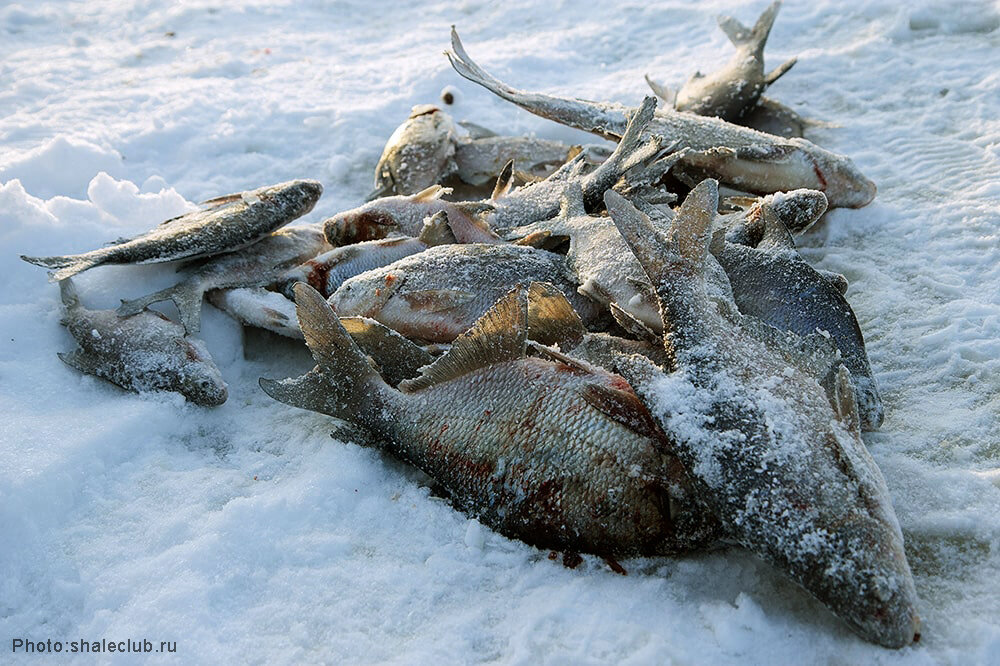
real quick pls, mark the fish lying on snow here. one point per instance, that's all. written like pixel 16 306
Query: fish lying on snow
pixel 328 271
pixel 777 461
pixel 506 209
pixel 733 93
pixel 227 223
pixel 744 158
pixel 417 155
pixel 554 453
pixel 255 266
pixel 258 307
pixel 441 292
pixel 142 352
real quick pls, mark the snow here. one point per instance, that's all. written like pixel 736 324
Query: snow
pixel 245 533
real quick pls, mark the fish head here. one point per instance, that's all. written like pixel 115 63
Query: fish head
pixel 297 196
pixel 837 176
pixel 796 210
pixel 199 379
pixel 377 219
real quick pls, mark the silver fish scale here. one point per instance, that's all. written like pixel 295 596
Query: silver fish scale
pixel 329 270
pixel 593 484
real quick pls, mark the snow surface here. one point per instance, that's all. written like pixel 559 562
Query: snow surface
pixel 245 533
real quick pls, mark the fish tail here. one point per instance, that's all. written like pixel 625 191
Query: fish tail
pixel 630 152
pixel 573 112
pixel 351 388
pixel 757 36
pixel 68 293
pixel 68 265
pixel 186 297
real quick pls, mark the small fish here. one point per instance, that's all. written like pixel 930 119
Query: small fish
pixel 258 307
pixel 441 292
pixel 329 270
pixel 553 453
pixel 480 161
pixel 227 223
pixel 744 158
pixel 505 209
pixel 417 155
pixel 772 456
pixel 255 266
pixel 142 352
pixel 733 92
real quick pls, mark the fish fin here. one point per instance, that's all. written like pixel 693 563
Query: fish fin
pixel 536 239
pixel 551 320
pixel 499 335
pixel 631 150
pixel 81 361
pixel 397 357
pixel 504 181
pixel 756 37
pixel 476 131
pixel 662 91
pixel 437 300
pixel 436 230
pixel 186 297
pixel 633 325
pixel 467 224
pixel 737 33
pixel 474 208
pixel 623 407
pixel 68 294
pixel 838 280
pixel 844 400
pixel 778 71
pixel 550 354
pixel 68 265
pixel 216 202
pixel 571 202
pixel 348 380
pixel 431 193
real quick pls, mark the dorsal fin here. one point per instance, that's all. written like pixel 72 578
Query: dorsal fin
pixel 499 335
pixel 633 326
pixel 431 193
pixel 662 91
pixel 396 357
pixel 571 202
pixel 551 319
pixel 504 181
pixel 844 400
pixel 436 230
pixel 468 224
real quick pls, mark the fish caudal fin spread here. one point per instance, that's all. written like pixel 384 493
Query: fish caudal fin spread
pixel 350 385
pixel 68 265
pixel 741 36
pixel 186 297
pixel 630 152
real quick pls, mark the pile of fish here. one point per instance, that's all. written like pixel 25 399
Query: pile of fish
pixel 579 362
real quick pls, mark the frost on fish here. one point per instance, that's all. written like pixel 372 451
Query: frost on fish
pixel 418 154
pixel 225 224
pixel 741 157
pixel 779 461
pixel 441 292
pixel 551 452
pixel 142 352
pixel 255 266
pixel 258 307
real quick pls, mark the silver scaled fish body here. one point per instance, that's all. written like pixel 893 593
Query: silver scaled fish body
pixel 418 154
pixel 258 307
pixel 506 209
pixel 739 156
pixel 778 462
pixel 258 265
pixel 441 292
pixel 142 352
pixel 553 453
pixel 226 223
pixel 733 92
pixel 326 272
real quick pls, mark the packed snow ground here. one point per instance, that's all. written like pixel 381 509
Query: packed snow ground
pixel 245 533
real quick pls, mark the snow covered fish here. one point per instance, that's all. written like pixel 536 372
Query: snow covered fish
pixel 506 209
pixel 733 92
pixel 744 158
pixel 417 155
pixel 441 292
pixel 777 461
pixel 226 223
pixel 142 352
pixel 490 425
pixel 256 266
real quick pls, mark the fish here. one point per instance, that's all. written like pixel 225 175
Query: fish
pixel 258 265
pixel 258 307
pixel 479 161
pixel 418 154
pixel 555 454
pixel 441 292
pixel 226 224
pixel 733 92
pixel 142 352
pixel 771 281
pixel 780 464
pixel 329 270
pixel 506 208
pixel 738 156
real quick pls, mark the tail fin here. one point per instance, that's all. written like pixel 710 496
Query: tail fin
pixel 630 152
pixel 590 117
pixel 186 296
pixel 68 294
pixel 69 265
pixel 351 386
pixel 742 36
